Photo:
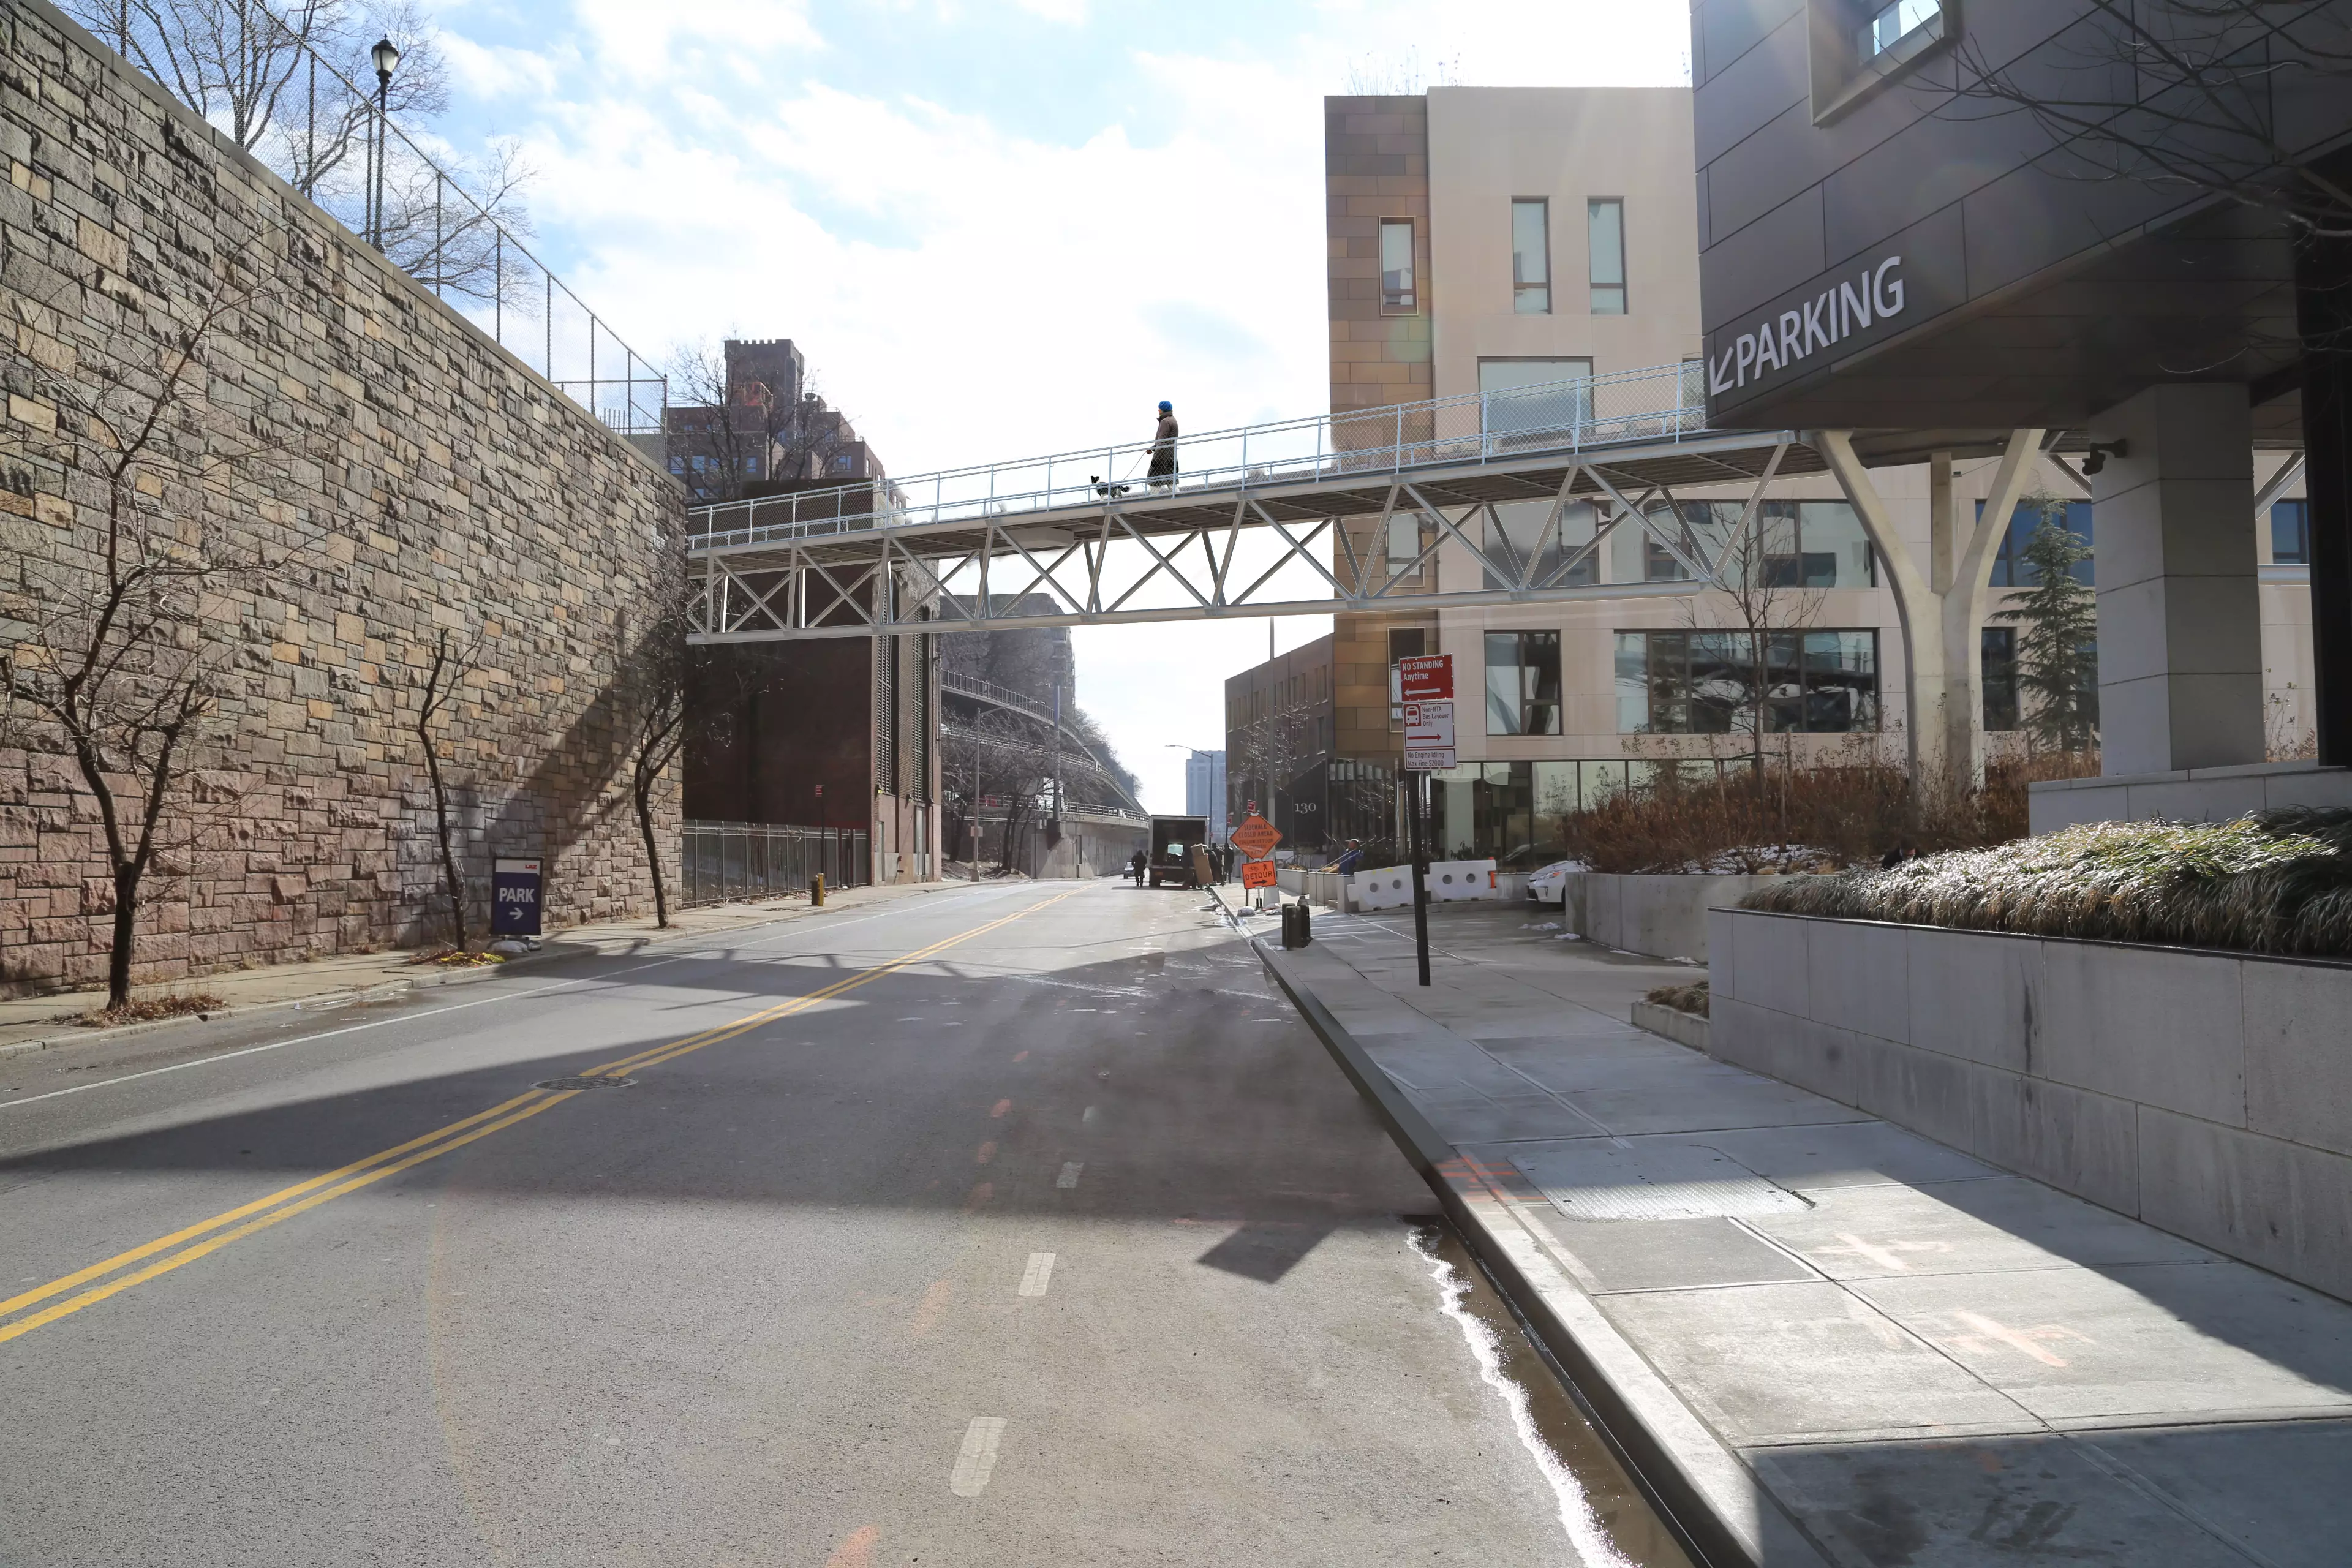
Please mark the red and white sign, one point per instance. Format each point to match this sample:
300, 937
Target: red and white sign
1426, 678
1428, 736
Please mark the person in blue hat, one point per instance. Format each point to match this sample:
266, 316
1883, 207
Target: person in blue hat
1162, 474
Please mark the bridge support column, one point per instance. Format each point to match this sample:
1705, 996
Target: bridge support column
1942, 607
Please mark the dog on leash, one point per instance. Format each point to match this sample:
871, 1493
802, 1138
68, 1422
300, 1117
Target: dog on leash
1108, 491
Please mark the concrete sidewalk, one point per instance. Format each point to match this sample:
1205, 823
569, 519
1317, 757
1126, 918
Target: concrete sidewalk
38, 1023
1822, 1337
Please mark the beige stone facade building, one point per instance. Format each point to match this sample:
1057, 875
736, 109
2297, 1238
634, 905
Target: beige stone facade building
1486, 239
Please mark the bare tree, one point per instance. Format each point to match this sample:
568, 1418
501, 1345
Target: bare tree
1274, 747
295, 86
1758, 616
445, 230
2183, 95
115, 655
443, 677
657, 674
278, 80
1008, 764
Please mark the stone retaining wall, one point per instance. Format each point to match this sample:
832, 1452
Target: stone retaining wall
425, 479
2207, 1093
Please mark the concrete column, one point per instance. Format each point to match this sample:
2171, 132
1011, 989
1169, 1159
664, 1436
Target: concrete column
1942, 608
2180, 643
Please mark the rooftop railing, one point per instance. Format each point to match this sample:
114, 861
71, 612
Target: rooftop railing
261, 83
1665, 403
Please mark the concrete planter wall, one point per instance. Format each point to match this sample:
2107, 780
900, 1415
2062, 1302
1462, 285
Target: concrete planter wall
1663, 916
2196, 794
2207, 1093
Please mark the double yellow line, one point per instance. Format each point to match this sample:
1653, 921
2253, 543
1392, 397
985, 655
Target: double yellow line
182, 1246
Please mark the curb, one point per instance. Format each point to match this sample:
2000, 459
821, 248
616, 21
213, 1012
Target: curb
1705, 1493
433, 979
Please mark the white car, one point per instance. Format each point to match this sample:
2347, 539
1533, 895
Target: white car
1549, 884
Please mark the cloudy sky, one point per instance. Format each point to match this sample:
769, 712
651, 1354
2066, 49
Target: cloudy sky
996, 228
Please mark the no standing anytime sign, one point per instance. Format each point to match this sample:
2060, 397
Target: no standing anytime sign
1426, 686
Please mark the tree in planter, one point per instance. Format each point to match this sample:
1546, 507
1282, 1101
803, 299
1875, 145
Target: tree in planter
2057, 647
1760, 608
442, 679
113, 655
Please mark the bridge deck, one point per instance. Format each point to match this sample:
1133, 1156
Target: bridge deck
940, 553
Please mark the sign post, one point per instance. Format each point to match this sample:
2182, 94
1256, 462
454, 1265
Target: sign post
1426, 685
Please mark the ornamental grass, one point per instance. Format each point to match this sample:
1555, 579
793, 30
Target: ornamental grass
2276, 882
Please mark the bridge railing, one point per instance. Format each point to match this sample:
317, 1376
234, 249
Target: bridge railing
1667, 403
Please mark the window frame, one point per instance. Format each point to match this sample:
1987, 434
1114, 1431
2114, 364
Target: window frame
1411, 292
1842, 78
1520, 289
1524, 702
1422, 636
2301, 514
1593, 287
1688, 704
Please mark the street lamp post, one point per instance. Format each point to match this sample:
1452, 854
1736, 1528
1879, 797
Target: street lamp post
388, 60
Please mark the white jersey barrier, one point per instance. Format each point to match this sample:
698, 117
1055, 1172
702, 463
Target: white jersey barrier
1448, 881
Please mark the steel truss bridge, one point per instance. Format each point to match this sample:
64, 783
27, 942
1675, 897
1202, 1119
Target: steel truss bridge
1078, 539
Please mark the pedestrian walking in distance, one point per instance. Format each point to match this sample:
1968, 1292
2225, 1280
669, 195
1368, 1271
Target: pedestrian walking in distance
1163, 472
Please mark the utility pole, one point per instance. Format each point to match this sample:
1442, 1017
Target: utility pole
1056, 774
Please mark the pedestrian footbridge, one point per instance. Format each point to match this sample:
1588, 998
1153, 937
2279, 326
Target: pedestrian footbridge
1304, 517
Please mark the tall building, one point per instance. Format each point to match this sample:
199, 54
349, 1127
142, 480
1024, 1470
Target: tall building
1204, 792
2180, 314
1485, 240
1281, 726
764, 429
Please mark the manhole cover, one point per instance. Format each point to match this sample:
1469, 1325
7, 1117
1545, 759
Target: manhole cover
1602, 1180
572, 1083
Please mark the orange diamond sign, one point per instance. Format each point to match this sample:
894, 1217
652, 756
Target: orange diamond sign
1255, 838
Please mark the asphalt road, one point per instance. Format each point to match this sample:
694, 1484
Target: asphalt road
1019, 1225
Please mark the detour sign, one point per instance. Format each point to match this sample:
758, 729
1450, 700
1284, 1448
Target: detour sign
1255, 838
1257, 873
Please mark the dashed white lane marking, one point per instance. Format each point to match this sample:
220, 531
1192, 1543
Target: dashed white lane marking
1069, 1176
978, 1455
1089, 1115
1038, 1275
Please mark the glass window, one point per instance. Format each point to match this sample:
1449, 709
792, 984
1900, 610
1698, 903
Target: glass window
1525, 535
1832, 549
1604, 226
1523, 683
2290, 533
1396, 264
1404, 642
1633, 673
2010, 568
1705, 528
1997, 677
1534, 401
1709, 682
1531, 257
1890, 24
